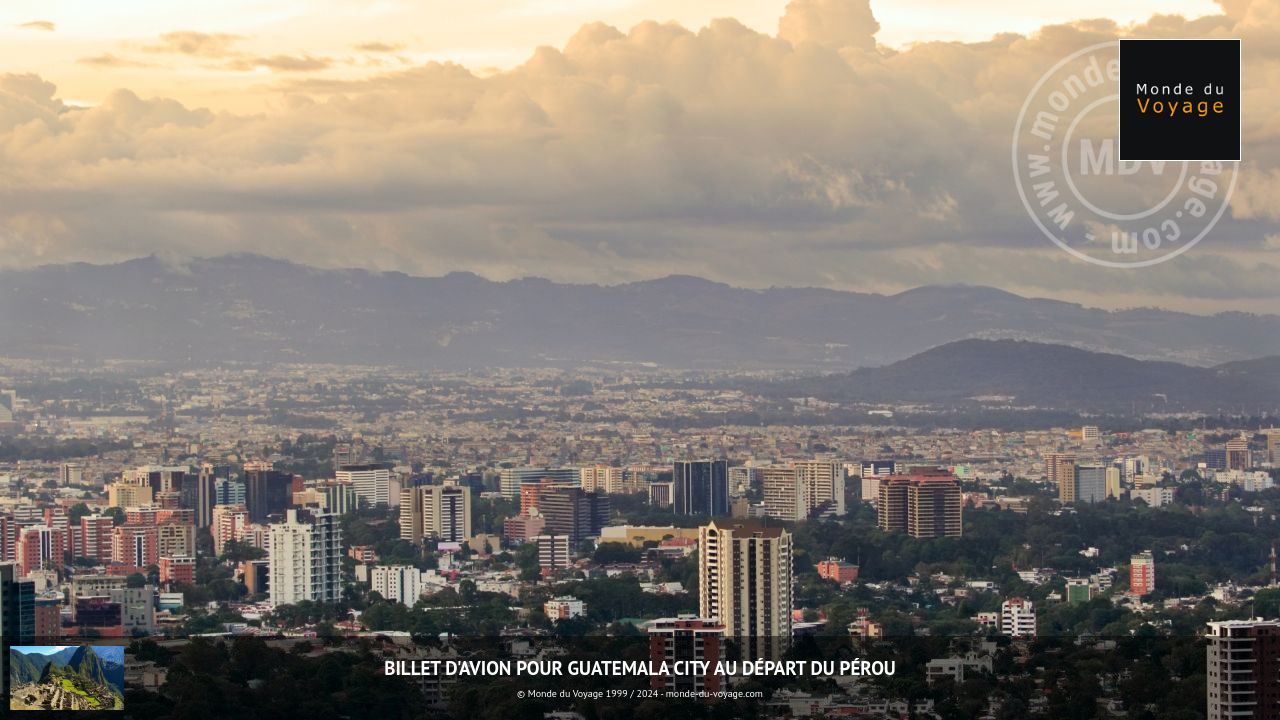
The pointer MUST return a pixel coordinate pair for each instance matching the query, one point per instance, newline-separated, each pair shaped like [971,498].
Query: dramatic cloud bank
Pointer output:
[812,157]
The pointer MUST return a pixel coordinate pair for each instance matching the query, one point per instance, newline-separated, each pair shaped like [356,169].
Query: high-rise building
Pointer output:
[267,491]
[137,609]
[175,539]
[160,478]
[1273,445]
[802,490]
[230,522]
[371,482]
[744,584]
[178,569]
[1242,672]
[523,528]
[925,504]
[1238,454]
[441,511]
[398,583]
[510,480]
[17,605]
[554,553]
[601,478]
[123,494]
[95,537]
[305,559]
[229,492]
[48,617]
[331,496]
[207,487]
[1018,618]
[785,494]
[1113,482]
[1142,574]
[135,546]
[573,512]
[39,546]
[1091,483]
[682,639]
[826,483]
[1060,472]
[662,494]
[742,479]
[701,487]
[70,474]
[531,492]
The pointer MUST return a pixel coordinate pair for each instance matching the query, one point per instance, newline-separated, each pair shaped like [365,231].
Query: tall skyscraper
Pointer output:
[926,504]
[1142,574]
[305,559]
[372,482]
[745,577]
[701,487]
[1091,483]
[573,512]
[1242,672]
[1060,472]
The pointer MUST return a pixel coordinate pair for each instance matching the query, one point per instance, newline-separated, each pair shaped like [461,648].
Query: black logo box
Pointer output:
[1180,62]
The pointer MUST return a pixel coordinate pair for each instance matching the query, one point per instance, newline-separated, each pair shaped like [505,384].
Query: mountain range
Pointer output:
[80,662]
[977,373]
[252,308]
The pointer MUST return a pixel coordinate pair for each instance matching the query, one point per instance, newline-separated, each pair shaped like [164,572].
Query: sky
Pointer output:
[833,143]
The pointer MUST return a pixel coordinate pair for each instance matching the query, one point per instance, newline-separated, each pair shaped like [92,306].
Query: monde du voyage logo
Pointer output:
[1125,153]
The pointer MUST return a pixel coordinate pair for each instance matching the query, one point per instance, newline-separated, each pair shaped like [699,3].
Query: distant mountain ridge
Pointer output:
[251,308]
[78,661]
[1010,372]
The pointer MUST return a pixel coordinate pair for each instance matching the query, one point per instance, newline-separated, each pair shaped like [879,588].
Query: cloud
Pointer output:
[188,42]
[809,157]
[44,25]
[283,63]
[379,47]
[108,60]
[832,23]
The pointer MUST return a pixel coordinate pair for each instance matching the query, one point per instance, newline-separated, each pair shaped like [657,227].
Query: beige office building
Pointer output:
[745,577]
